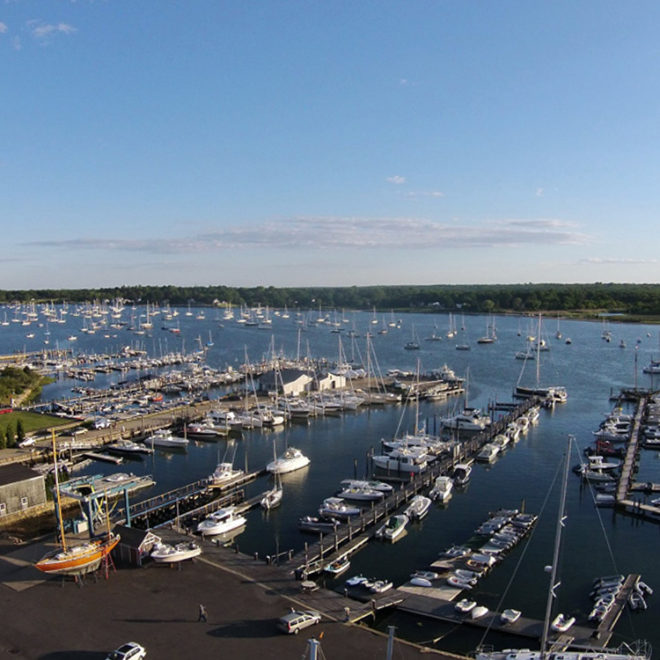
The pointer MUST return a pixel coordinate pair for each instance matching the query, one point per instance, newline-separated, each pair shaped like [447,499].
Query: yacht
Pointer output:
[471,419]
[220,522]
[404,459]
[292,459]
[165,438]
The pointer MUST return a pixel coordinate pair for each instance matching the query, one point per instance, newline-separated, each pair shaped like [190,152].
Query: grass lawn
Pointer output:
[32,422]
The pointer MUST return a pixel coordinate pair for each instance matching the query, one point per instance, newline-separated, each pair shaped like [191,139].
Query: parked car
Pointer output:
[293,622]
[128,651]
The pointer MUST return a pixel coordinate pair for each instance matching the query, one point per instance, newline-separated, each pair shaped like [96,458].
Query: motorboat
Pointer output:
[442,489]
[461,474]
[425,575]
[510,616]
[459,583]
[471,419]
[356,581]
[224,474]
[337,567]
[314,524]
[361,493]
[374,485]
[421,582]
[220,522]
[292,459]
[165,438]
[380,586]
[393,528]
[164,553]
[335,507]
[418,507]
[488,452]
[127,447]
[561,623]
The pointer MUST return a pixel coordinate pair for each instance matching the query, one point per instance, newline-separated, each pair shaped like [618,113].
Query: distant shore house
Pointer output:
[287,382]
[330,381]
[20,488]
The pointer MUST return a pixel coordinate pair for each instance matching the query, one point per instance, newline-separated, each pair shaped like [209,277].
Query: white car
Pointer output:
[296,620]
[128,651]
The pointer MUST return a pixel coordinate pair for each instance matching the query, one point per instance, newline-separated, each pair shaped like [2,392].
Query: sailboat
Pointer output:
[273,498]
[74,559]
[413,344]
[639,651]
[552,394]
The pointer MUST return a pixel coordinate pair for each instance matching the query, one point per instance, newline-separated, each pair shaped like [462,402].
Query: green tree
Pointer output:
[20,431]
[10,439]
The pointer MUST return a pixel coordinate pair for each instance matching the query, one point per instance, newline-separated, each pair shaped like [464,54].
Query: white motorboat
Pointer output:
[375,485]
[461,473]
[442,489]
[418,507]
[224,474]
[337,567]
[471,420]
[165,438]
[421,582]
[128,447]
[164,553]
[220,522]
[292,459]
[478,611]
[380,586]
[460,583]
[393,528]
[488,453]
[335,507]
[361,494]
[315,524]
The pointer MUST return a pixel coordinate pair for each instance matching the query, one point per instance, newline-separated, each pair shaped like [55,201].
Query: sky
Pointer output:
[328,142]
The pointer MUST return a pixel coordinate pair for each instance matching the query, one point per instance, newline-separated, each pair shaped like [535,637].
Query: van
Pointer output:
[296,620]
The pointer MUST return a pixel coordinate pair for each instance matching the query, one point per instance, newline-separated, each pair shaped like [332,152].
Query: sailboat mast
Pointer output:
[538,353]
[561,517]
[57,494]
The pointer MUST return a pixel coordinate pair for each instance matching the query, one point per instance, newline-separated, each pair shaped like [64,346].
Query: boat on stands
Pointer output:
[164,553]
[79,558]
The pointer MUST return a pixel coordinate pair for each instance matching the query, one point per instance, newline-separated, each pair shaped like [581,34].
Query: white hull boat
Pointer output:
[292,459]
[164,553]
[221,522]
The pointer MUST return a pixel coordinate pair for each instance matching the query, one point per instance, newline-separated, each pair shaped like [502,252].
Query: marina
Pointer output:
[328,439]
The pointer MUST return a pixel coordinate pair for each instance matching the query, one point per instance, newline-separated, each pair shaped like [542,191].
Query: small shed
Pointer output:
[135,544]
[21,487]
[330,381]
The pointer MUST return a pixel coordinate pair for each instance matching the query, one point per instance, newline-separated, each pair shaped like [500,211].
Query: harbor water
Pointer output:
[596,541]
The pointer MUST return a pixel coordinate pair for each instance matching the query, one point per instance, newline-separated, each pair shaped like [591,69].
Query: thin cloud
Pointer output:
[343,233]
[3,28]
[610,261]
[424,193]
[396,179]
[43,31]
[539,192]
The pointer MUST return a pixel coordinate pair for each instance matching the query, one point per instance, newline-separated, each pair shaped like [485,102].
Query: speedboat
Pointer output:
[442,489]
[418,507]
[335,507]
[461,474]
[220,522]
[361,493]
[164,553]
[338,566]
[393,527]
[292,459]
[488,452]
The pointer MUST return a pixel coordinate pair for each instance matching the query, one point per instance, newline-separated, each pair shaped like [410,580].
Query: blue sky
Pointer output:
[326,142]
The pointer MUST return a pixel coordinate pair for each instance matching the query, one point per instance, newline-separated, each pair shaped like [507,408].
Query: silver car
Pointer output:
[293,622]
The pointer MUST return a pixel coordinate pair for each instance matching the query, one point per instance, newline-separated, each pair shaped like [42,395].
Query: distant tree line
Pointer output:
[629,299]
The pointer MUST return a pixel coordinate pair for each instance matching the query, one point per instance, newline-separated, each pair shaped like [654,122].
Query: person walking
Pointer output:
[202,614]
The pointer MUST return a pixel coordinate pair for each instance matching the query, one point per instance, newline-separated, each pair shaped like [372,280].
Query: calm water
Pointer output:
[596,541]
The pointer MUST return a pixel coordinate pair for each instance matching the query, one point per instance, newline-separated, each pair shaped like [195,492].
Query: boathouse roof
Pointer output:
[11,474]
